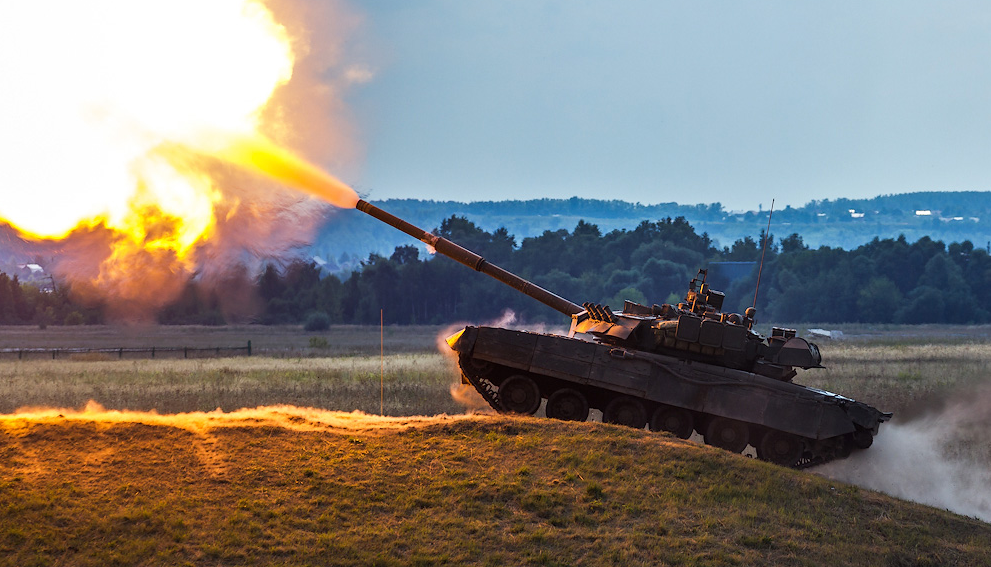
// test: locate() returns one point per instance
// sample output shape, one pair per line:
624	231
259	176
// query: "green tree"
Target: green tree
879	300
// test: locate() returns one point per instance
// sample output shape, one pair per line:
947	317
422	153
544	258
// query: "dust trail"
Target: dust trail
940	458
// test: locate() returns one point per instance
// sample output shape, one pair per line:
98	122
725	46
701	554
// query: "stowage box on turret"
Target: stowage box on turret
677	368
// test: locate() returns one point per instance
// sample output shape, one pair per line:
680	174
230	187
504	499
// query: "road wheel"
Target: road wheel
678	421
780	448
728	434
567	404
519	394
625	411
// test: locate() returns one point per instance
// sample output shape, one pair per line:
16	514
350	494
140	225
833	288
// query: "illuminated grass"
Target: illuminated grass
474	492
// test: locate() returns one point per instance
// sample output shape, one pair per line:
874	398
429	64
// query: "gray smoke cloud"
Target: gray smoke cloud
940	458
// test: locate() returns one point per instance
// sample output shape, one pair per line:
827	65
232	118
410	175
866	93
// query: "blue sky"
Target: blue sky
735	102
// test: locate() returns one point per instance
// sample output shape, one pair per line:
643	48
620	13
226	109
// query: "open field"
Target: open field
284	485
342	373
414	384
901	369
905	378
269	340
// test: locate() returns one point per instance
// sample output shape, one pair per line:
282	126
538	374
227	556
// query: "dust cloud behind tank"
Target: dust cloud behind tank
678	368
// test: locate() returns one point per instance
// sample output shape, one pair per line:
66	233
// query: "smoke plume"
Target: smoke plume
940	457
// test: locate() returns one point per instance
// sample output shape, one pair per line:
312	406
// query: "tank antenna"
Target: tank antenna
762	251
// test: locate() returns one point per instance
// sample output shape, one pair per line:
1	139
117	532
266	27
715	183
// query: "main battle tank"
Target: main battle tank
677	368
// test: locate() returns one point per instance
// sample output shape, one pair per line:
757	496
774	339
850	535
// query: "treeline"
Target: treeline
653	260
884	281
29	304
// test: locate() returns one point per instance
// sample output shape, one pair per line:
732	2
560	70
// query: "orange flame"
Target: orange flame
280	164
117	118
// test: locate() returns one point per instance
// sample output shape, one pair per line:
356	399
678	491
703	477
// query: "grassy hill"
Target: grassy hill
290	486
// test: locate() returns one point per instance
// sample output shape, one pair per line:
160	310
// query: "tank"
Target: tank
681	368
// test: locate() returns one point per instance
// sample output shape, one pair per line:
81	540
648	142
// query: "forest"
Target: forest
882	281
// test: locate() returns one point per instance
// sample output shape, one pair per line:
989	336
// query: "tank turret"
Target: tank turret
696	329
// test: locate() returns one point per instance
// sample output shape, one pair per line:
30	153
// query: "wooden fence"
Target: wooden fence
84	353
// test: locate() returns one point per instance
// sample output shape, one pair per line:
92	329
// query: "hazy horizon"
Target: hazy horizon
760	207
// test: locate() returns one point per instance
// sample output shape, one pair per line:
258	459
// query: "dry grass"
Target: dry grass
343	375
905	377
481	491
414	384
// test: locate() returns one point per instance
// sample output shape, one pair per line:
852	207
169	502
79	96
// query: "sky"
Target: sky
656	101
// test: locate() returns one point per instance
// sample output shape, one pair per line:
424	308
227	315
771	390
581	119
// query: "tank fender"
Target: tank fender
463	341
865	416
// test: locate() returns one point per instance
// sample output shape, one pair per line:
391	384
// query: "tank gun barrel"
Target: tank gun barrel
472	260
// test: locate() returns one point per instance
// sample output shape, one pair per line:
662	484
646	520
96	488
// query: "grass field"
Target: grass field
907	370
343	373
291	486
267	340
299	487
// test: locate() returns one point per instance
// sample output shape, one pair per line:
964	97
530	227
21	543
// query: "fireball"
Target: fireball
117	117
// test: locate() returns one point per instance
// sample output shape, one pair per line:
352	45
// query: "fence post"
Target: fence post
153	352
120	353
249	348
20	352
54	353
185	352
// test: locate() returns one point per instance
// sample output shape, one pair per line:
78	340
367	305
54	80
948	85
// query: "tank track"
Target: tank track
490	393
809	462
486	389
837	449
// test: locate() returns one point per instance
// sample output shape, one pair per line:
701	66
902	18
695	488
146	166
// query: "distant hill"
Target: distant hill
348	237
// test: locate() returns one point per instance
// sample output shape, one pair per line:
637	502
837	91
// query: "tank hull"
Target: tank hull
826	424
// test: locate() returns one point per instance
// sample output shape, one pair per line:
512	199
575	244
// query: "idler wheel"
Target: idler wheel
476	367
780	448
678	421
519	394
862	439
728	434
627	411
568	405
